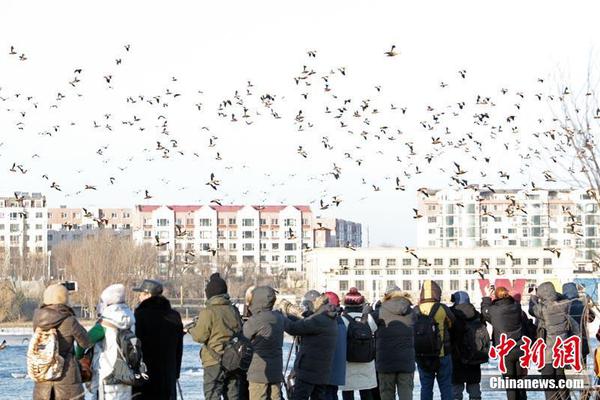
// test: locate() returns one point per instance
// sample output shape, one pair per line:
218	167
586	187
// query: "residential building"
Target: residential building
271	238
23	223
373	269
335	232
511	219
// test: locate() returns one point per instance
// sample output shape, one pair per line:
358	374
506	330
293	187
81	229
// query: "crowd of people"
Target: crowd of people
340	345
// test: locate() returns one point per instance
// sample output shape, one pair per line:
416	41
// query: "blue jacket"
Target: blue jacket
338	370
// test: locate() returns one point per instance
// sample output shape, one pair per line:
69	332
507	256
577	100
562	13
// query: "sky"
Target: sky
206	51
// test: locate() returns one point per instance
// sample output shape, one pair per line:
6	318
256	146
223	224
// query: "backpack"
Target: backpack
44	363
237	352
361	342
427	334
475	344
129	368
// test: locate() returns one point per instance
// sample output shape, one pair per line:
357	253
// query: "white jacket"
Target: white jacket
106	351
360	376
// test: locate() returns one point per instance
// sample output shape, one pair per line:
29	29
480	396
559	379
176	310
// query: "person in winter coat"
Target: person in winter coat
463	375
264	329
338	370
441	369
55	313
553	322
360	376
160	330
506	316
394	345
314	360
115	316
216	325
580	311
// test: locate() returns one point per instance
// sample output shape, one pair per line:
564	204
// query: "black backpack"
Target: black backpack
427	334
237	352
129	368
475	344
360	345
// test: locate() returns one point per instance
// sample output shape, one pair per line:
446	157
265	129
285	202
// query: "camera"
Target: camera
70	285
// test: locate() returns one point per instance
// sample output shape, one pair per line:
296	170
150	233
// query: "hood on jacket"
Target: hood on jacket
430	292
460	297
119	315
219	300
398	305
464	311
570	291
51	316
547	292
263	299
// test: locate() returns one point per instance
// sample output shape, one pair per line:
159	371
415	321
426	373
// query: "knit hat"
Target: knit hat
114	294
56	294
333	298
460	297
215	286
353	298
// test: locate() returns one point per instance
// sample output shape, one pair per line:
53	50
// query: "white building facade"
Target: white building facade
372	270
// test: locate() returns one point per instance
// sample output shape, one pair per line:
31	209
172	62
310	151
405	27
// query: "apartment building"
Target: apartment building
373	269
67	224
335	232
23	223
511	218
271	238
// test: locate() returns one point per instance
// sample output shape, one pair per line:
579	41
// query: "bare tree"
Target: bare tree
101	260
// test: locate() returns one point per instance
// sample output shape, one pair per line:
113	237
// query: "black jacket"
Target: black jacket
463	373
318	335
160	330
265	330
552	316
506	316
394	338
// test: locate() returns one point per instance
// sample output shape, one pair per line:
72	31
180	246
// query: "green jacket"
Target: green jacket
216	324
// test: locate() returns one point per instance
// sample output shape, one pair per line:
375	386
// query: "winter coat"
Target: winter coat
69	330
318	336
106	351
160	330
577	311
506	316
394	339
216	324
265	329
338	368
360	376
463	373
552	317
430	295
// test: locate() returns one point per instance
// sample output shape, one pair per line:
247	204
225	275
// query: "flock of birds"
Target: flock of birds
346	137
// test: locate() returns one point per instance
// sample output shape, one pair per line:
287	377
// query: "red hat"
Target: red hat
333	298
353	298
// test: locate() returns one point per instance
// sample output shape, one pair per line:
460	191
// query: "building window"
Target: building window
500	261
359	262
162	222
275	246
248	259
292	247
275	258
360	285
360	272
232	221
423	272
274	221
406	271
438	261
454	284
374	261
548	271
247	234
391	262
407	261
406	285
469	261
232	246
392	272
531	271
516	261
263	221
290	259
247	222
547	261
204	222
453	262
438	272
248	246
343	286
532	261
289	222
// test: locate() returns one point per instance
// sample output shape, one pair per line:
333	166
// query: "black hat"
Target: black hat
150	286
215	286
